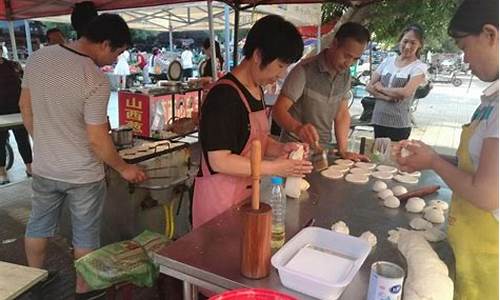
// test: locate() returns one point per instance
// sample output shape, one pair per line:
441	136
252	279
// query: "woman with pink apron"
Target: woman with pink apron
473	217
233	115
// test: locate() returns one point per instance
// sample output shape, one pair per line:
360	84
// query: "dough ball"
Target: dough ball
415	205
304	185
405	152
340	227
297	154
391	202
399	190
393	236
385	193
369	237
379	186
357	178
434	235
439	203
420	224
435	215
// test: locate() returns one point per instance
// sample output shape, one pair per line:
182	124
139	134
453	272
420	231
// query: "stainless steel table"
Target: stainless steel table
10	121
209	256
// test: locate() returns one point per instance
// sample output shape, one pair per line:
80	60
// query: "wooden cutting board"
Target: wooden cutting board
17	279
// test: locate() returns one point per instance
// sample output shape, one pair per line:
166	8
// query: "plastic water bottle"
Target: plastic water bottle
278	205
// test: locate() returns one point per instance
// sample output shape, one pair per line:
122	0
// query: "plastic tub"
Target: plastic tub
320	262
252	294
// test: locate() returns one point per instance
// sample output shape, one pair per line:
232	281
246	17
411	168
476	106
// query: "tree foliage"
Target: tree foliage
387	18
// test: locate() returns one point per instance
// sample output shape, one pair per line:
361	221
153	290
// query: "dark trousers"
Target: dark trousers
23	144
187	73
395	134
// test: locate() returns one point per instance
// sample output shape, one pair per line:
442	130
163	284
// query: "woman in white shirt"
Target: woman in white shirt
122	68
394	84
473	218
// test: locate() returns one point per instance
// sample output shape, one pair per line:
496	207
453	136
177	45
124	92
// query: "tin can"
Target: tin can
386	281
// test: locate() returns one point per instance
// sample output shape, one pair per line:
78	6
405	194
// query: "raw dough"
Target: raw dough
406	179
360	171
391	202
385	168
385	193
332	174
434	235
382	175
304	185
344	162
365	165
414	174
340	227
434	214
357	178
293	184
369	237
339	168
415	205
405	152
379	186
439	203
399	190
420	224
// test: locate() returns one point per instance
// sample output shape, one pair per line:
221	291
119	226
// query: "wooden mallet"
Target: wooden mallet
257	222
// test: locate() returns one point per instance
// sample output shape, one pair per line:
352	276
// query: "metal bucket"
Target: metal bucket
122	136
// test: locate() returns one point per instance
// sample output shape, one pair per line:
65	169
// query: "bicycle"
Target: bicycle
359	81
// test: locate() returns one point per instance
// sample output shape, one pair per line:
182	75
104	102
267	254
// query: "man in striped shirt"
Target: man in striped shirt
64	103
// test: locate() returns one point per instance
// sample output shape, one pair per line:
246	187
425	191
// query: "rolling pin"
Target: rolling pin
421	192
257	222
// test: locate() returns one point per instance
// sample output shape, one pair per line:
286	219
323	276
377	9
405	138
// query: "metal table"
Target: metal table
209	257
10	121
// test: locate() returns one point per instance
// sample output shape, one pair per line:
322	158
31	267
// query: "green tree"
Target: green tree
387	18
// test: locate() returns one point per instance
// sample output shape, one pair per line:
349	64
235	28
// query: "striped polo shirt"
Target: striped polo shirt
68	91
396	114
317	93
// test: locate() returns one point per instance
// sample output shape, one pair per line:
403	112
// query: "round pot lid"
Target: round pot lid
175	71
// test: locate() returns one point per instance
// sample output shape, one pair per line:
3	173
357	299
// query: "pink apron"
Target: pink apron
215	193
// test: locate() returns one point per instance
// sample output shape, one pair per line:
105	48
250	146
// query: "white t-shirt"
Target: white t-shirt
68	91
486	119
187	59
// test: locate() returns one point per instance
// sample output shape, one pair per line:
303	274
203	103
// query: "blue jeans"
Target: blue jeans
85	202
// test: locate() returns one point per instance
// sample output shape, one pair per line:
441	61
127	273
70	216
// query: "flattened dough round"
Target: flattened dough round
414	174
357	178
385	168
434	214
415	205
332	174
406	179
385	193
344	162
365	165
420	224
439	203
339	168
399	190
382	175
391	202
360	171
379	186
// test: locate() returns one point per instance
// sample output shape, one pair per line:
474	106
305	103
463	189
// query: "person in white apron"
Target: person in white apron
233	115
473	218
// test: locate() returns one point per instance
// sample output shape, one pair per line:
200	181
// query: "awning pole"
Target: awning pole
318	37
28	36
235	37
212	38
227	43
170	37
13	40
